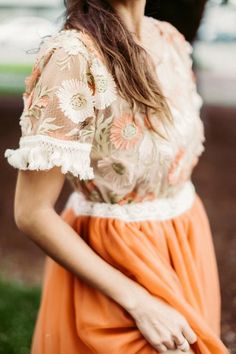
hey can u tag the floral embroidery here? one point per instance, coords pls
(75, 100)
(28, 99)
(105, 87)
(30, 80)
(34, 102)
(116, 172)
(47, 126)
(38, 99)
(30, 84)
(86, 39)
(70, 42)
(174, 169)
(125, 134)
(73, 116)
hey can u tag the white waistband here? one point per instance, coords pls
(158, 209)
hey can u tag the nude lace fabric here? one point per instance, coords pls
(74, 118)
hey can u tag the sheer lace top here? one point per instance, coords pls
(74, 118)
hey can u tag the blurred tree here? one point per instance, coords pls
(183, 14)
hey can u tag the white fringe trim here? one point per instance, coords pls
(42, 152)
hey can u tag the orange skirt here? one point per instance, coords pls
(174, 259)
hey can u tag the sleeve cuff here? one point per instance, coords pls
(41, 152)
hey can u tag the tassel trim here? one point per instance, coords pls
(42, 152)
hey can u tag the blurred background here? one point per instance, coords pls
(211, 28)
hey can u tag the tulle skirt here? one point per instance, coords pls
(172, 258)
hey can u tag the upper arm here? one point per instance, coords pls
(34, 190)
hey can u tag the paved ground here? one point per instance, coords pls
(214, 178)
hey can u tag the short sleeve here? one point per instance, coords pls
(58, 119)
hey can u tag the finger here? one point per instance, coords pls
(179, 338)
(189, 334)
(169, 343)
(155, 341)
(185, 347)
(161, 348)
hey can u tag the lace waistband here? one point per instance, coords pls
(157, 209)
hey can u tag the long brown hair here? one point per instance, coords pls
(130, 65)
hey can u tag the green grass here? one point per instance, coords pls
(12, 78)
(24, 69)
(18, 309)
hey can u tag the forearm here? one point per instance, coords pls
(58, 239)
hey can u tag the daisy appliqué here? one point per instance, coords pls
(105, 87)
(71, 43)
(125, 133)
(76, 100)
(69, 40)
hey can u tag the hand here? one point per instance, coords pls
(162, 326)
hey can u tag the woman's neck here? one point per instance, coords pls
(132, 13)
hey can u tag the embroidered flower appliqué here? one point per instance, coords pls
(70, 42)
(76, 100)
(105, 87)
(125, 134)
(116, 172)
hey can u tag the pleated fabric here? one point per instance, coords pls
(173, 259)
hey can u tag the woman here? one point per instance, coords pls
(112, 106)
